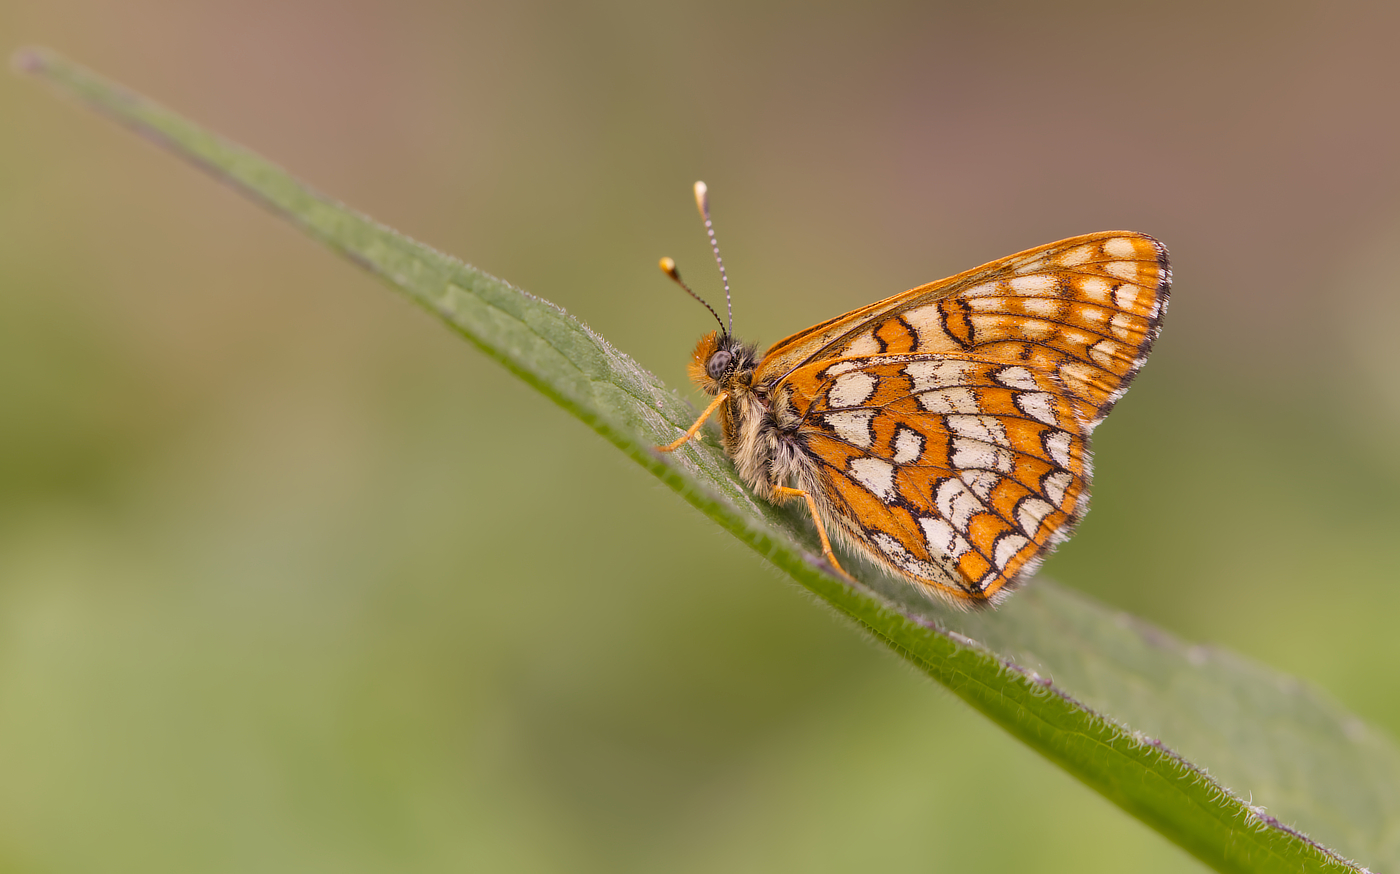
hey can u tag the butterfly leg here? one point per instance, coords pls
(785, 492)
(694, 429)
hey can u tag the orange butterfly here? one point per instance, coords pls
(944, 432)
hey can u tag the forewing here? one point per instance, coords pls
(1086, 309)
(959, 471)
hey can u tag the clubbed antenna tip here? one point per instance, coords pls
(668, 266)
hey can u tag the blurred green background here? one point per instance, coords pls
(292, 579)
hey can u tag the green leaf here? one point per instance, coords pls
(1229, 760)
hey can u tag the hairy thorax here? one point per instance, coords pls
(760, 434)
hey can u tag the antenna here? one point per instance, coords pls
(669, 268)
(702, 200)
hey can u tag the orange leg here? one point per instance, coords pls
(785, 492)
(695, 429)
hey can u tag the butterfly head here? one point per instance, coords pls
(722, 363)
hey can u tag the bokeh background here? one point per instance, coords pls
(292, 579)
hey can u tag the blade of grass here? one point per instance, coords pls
(1267, 736)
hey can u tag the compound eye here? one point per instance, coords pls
(718, 363)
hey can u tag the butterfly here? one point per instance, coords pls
(943, 433)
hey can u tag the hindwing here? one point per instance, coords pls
(958, 470)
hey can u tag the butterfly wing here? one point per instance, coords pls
(959, 471)
(1086, 309)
